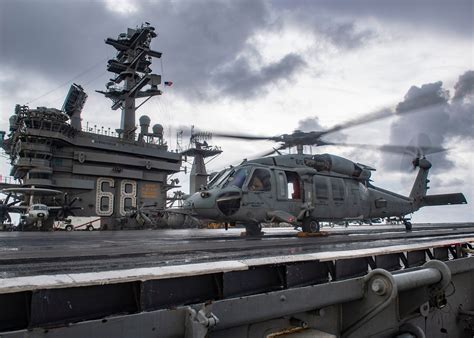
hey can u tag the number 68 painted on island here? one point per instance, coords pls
(104, 203)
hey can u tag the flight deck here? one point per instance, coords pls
(34, 253)
(218, 283)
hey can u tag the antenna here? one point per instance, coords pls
(132, 67)
(199, 149)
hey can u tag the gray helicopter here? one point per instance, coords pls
(304, 190)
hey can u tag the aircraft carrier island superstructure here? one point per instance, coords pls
(102, 172)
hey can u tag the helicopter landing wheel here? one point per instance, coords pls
(253, 230)
(408, 225)
(310, 225)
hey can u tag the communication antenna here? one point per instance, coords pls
(133, 73)
(199, 149)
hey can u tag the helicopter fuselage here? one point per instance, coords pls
(320, 188)
(325, 197)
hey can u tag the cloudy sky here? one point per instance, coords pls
(267, 68)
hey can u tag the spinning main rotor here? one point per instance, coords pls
(299, 138)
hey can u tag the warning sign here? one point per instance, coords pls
(149, 191)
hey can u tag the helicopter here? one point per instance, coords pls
(35, 214)
(304, 190)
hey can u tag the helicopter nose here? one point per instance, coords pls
(229, 202)
(203, 204)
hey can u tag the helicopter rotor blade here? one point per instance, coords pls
(371, 117)
(274, 150)
(392, 148)
(242, 136)
(376, 116)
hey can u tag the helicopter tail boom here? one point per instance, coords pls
(420, 187)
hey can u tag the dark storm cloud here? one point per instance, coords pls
(425, 128)
(461, 123)
(346, 35)
(341, 33)
(465, 86)
(310, 124)
(56, 38)
(436, 121)
(241, 81)
(455, 17)
(59, 39)
(200, 40)
(201, 36)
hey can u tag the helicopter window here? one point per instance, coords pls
(282, 186)
(215, 178)
(260, 181)
(220, 178)
(321, 188)
(294, 188)
(338, 191)
(237, 178)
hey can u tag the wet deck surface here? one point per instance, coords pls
(23, 253)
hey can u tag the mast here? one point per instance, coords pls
(132, 68)
(199, 149)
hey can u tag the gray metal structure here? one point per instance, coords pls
(199, 150)
(107, 173)
(394, 284)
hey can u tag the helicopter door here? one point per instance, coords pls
(321, 188)
(355, 196)
(338, 191)
(258, 193)
(289, 191)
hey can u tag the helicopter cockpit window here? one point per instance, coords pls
(214, 178)
(260, 181)
(294, 187)
(237, 178)
(219, 178)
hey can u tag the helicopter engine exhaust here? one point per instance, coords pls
(340, 165)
